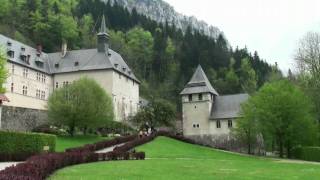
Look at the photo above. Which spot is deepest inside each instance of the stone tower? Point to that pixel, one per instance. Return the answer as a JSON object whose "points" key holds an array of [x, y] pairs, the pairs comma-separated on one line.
{"points": [[198, 97]]}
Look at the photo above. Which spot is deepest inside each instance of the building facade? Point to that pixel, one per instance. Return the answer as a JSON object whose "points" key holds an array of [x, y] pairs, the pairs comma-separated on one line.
{"points": [[205, 113], [33, 75]]}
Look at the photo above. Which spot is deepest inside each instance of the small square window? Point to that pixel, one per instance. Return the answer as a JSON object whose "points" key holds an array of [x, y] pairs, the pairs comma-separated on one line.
{"points": [[76, 63], [198, 125], [194, 126]]}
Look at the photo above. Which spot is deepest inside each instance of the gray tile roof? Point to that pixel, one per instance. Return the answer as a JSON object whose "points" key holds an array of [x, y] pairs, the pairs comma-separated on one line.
{"points": [[228, 106], [88, 59], [54, 63], [199, 83], [17, 46]]}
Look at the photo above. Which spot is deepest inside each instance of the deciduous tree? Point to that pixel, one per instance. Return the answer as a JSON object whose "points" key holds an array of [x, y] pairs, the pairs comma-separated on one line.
{"points": [[83, 104]]}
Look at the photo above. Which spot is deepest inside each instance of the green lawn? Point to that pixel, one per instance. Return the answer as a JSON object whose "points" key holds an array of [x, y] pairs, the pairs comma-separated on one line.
{"points": [[64, 142], [170, 159]]}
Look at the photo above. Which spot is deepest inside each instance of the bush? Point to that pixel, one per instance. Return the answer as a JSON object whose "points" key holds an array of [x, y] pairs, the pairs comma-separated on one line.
{"points": [[307, 153], [17, 146], [49, 129]]}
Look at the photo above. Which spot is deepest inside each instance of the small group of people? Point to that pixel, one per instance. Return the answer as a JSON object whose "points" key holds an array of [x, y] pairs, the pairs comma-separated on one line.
{"points": [[146, 130]]}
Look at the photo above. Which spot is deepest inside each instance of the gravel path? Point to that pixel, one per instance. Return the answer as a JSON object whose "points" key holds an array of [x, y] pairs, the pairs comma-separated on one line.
{"points": [[3, 165], [109, 149]]}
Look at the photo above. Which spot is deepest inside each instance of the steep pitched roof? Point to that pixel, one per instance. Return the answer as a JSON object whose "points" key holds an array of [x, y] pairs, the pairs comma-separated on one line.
{"points": [[77, 60], [227, 106], [199, 83], [22, 49], [89, 59]]}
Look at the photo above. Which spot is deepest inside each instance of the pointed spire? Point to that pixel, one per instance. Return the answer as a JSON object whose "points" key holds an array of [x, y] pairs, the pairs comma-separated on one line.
{"points": [[199, 83], [103, 37], [103, 27]]}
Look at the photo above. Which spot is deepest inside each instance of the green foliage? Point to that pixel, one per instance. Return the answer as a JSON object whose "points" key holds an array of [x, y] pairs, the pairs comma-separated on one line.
{"points": [[247, 77], [65, 142], [18, 142], [307, 153], [83, 104], [157, 113], [3, 70], [160, 55], [172, 159], [283, 114]]}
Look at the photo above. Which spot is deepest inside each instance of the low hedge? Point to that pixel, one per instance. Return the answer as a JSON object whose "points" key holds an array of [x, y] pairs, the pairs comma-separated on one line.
{"points": [[307, 153], [17, 146]]}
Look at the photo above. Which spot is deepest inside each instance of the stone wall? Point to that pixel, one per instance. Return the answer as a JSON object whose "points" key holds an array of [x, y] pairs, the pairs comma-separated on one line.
{"points": [[22, 119], [227, 142]]}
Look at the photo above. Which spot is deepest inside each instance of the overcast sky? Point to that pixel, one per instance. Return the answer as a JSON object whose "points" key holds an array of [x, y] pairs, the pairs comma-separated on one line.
{"points": [[272, 27]]}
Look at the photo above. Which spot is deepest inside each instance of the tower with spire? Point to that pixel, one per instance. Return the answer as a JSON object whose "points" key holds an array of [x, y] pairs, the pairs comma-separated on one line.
{"points": [[103, 37], [205, 113], [197, 99]]}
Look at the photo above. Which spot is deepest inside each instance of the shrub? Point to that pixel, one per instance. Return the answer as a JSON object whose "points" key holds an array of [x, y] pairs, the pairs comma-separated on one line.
{"points": [[17, 146], [49, 129], [307, 153], [102, 144]]}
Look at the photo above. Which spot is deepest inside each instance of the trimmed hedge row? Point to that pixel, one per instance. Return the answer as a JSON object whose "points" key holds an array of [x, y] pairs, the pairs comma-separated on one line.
{"points": [[102, 144], [41, 166], [307, 153], [18, 146]]}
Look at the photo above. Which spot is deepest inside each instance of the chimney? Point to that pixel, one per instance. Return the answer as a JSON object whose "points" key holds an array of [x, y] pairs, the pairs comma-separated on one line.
{"points": [[64, 49], [39, 49]]}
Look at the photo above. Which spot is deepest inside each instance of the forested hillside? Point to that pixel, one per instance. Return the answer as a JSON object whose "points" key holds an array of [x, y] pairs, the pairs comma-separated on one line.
{"points": [[162, 57]]}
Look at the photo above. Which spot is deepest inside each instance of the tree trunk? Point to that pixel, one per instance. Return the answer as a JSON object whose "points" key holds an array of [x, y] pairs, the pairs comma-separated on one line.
{"points": [[85, 130], [280, 148], [289, 150]]}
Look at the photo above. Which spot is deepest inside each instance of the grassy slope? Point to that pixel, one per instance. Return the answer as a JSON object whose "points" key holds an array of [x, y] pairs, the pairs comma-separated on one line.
{"points": [[170, 159], [64, 142]]}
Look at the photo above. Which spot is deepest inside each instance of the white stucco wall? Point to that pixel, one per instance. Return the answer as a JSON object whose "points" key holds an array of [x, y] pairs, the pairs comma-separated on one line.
{"points": [[196, 112], [224, 129], [125, 94], [34, 81]]}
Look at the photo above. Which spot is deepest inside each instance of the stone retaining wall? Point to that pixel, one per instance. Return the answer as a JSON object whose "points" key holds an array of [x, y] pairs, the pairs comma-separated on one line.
{"points": [[22, 119], [226, 142]]}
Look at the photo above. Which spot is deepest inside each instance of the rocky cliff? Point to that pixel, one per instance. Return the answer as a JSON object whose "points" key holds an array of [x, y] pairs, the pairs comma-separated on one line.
{"points": [[161, 11]]}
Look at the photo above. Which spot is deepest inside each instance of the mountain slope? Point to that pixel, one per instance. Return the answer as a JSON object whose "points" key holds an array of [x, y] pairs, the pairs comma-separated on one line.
{"points": [[161, 11]]}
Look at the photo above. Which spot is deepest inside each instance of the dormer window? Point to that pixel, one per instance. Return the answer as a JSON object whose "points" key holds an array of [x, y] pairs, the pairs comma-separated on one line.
{"points": [[38, 54], [129, 72], [116, 65], [76, 63], [10, 54], [56, 65], [124, 69], [23, 49], [109, 54], [9, 43]]}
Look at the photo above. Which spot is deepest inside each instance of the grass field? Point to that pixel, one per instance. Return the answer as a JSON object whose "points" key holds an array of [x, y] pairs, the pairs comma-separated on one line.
{"points": [[64, 142], [170, 159]]}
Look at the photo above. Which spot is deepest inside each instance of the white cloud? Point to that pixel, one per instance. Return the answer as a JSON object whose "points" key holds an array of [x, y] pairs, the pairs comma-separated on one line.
{"points": [[272, 27]]}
